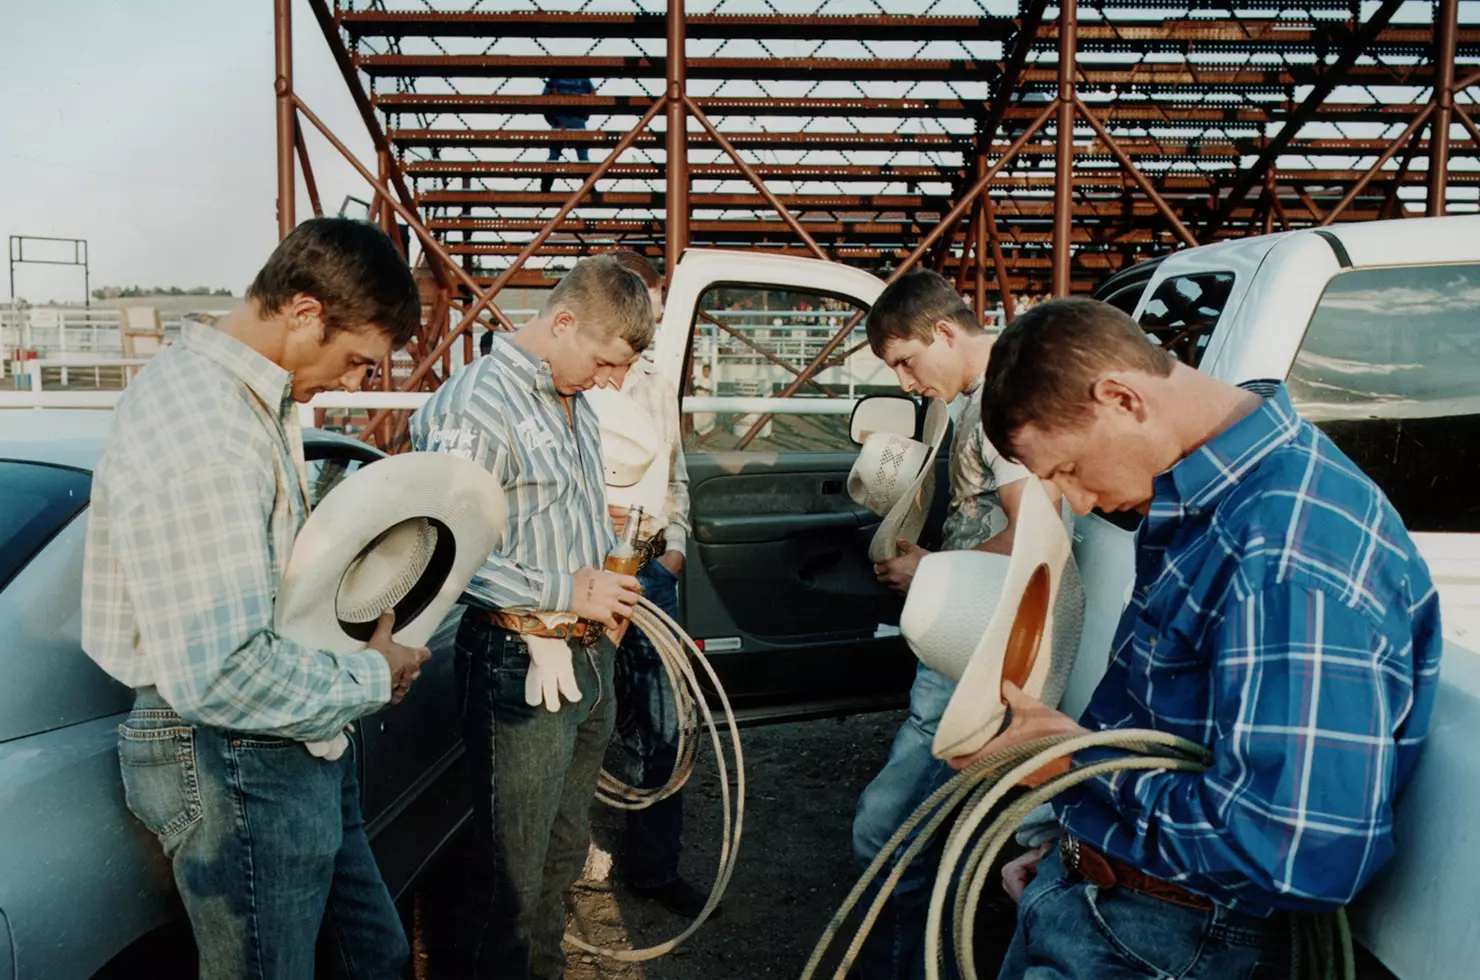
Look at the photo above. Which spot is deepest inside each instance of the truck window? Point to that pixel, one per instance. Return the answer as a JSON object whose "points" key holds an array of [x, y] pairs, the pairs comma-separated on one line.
{"points": [[1184, 310], [751, 341], [1390, 370]]}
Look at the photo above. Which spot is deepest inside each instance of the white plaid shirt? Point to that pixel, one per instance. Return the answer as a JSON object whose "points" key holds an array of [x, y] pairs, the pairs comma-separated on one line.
{"points": [[644, 386], [195, 505]]}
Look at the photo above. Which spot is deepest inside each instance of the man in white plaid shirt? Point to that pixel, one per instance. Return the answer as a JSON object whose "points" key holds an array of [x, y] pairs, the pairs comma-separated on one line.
{"points": [[195, 504]]}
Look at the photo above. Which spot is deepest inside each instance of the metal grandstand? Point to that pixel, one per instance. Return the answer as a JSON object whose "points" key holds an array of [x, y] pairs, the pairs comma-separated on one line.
{"points": [[1022, 148]]}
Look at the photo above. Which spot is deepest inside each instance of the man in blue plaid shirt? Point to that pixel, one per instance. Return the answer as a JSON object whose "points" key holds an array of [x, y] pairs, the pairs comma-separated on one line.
{"points": [[1281, 616]]}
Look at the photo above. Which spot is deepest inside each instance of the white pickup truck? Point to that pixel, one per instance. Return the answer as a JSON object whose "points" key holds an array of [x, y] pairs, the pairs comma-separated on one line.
{"points": [[1375, 329]]}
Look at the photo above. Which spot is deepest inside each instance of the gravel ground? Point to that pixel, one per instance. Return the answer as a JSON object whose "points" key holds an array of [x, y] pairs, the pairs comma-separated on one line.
{"points": [[795, 868], [795, 865]]}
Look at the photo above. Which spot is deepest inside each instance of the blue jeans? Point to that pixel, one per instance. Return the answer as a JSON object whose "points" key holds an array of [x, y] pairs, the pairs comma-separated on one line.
{"points": [[1068, 929], [268, 848], [533, 776], [895, 948], [647, 725]]}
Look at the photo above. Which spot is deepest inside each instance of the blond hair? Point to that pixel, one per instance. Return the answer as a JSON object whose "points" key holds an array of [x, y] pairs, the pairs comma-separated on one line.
{"points": [[606, 299]]}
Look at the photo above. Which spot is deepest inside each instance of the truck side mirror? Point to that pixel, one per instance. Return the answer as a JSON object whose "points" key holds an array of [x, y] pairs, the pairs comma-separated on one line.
{"points": [[882, 413]]}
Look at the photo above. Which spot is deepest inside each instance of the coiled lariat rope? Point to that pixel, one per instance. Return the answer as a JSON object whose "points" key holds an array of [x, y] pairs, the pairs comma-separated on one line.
{"points": [[679, 653], [1320, 945]]}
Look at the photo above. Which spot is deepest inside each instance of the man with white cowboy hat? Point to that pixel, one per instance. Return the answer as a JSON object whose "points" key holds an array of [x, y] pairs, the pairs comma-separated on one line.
{"points": [[1280, 615], [540, 606], [641, 407], [921, 328], [196, 502]]}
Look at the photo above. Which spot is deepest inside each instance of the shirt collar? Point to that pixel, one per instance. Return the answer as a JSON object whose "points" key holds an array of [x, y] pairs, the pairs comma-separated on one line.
{"points": [[1198, 481], [528, 367], [268, 381]]}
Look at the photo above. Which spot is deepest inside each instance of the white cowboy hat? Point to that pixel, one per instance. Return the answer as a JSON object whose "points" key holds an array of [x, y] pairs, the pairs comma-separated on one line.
{"points": [[630, 437], [980, 618], [894, 477], [405, 533]]}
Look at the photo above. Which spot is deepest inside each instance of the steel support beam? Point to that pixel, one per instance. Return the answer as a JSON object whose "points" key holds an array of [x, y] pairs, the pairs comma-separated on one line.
{"points": [[1250, 177], [1388, 154], [1064, 157], [676, 210], [287, 124], [1444, 50], [303, 161]]}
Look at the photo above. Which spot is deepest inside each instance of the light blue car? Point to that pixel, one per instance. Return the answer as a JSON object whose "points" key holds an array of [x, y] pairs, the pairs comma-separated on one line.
{"points": [[84, 888]]}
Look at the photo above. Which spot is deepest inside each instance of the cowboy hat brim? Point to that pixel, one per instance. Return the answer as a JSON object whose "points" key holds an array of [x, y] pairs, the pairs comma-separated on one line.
{"points": [[906, 519], [461, 502], [1033, 636]]}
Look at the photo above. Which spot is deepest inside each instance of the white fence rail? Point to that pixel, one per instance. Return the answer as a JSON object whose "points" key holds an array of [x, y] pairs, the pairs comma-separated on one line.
{"points": [[371, 401]]}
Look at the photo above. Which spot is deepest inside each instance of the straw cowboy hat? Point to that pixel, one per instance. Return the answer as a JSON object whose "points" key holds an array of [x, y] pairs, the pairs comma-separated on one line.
{"points": [[894, 477], [980, 619], [405, 533], [630, 437]]}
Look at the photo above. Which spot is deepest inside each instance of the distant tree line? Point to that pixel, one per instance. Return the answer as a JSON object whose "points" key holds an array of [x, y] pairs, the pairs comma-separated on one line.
{"points": [[132, 292]]}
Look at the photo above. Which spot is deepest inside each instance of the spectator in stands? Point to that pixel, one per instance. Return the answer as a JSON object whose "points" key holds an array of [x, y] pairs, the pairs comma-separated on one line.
{"points": [[566, 119]]}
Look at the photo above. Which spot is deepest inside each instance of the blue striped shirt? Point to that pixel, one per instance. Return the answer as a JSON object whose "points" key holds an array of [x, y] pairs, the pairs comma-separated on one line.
{"points": [[503, 412], [1283, 617]]}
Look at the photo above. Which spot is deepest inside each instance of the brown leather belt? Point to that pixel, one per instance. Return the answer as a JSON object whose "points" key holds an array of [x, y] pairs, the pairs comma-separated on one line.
{"points": [[653, 548], [1106, 872], [527, 624]]}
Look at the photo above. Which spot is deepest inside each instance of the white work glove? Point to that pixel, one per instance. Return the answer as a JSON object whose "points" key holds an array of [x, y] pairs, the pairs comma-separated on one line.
{"points": [[551, 673], [331, 749]]}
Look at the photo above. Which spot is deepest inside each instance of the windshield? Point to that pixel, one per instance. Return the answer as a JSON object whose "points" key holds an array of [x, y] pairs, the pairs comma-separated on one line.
{"points": [[36, 501]]}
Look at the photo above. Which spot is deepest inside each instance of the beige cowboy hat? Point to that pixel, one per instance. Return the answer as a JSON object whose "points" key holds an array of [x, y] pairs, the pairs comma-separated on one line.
{"points": [[403, 534], [630, 437], [894, 477], [981, 619]]}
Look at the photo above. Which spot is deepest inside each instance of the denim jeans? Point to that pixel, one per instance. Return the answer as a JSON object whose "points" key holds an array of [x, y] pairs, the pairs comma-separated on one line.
{"points": [[647, 726], [1070, 930], [268, 848], [895, 947], [534, 776]]}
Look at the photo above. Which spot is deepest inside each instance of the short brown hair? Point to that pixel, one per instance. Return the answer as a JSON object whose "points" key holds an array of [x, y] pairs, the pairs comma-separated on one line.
{"points": [[910, 307], [637, 263], [352, 268], [1046, 361], [606, 297]]}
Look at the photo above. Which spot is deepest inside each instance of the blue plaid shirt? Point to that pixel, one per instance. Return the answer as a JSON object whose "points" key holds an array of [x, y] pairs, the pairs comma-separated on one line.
{"points": [[1282, 617]]}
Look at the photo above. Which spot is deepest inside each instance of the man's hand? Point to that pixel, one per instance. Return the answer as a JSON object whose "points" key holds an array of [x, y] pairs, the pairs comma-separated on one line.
{"points": [[673, 561], [619, 518], [605, 597], [898, 573], [1028, 719], [405, 662], [1018, 873]]}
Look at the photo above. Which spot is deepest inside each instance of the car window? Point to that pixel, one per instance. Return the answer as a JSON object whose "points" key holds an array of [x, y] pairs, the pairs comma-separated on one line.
{"points": [[36, 501], [325, 474], [750, 341], [1390, 369], [1183, 311]]}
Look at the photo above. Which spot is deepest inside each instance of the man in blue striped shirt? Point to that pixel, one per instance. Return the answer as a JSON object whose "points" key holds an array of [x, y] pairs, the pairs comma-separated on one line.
{"points": [[1281, 616], [538, 606]]}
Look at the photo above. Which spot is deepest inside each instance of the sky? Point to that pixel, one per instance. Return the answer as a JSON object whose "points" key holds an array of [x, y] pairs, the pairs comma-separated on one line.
{"points": [[147, 127]]}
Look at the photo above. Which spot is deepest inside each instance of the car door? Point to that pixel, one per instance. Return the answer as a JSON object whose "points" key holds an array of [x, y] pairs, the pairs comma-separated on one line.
{"points": [[410, 788], [778, 586]]}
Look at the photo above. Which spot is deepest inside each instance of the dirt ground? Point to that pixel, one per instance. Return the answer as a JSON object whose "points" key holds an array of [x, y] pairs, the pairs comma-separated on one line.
{"points": [[795, 868], [795, 864]]}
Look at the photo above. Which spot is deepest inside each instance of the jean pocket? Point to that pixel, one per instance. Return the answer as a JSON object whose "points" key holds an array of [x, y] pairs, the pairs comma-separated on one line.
{"points": [[1157, 938], [159, 777]]}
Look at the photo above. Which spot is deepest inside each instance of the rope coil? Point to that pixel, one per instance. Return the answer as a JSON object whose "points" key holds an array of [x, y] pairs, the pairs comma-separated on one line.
{"points": [[679, 653], [1320, 946]]}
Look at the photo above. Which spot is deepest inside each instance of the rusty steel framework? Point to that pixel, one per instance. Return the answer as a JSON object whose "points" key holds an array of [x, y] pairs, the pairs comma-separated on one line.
{"points": [[1022, 148]]}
